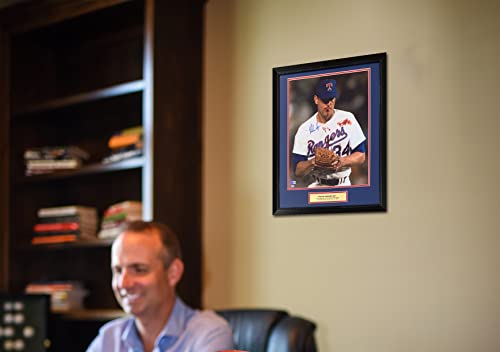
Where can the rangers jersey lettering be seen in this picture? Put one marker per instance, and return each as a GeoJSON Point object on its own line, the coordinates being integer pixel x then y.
{"type": "Point", "coordinates": [342, 134]}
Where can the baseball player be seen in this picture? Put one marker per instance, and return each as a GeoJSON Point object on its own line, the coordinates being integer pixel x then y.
{"type": "Point", "coordinates": [332, 129]}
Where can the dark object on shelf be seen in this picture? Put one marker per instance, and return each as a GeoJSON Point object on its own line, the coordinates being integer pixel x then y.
{"type": "Point", "coordinates": [263, 330]}
{"type": "Point", "coordinates": [64, 295]}
{"type": "Point", "coordinates": [24, 322]}
{"type": "Point", "coordinates": [122, 155]}
{"type": "Point", "coordinates": [56, 153]}
{"type": "Point", "coordinates": [52, 159]}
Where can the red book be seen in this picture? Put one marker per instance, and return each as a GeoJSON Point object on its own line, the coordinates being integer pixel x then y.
{"type": "Point", "coordinates": [57, 226]}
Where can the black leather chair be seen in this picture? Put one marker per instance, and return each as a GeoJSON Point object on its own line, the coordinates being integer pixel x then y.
{"type": "Point", "coordinates": [268, 330]}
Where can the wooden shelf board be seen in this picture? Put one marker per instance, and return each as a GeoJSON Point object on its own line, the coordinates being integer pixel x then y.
{"type": "Point", "coordinates": [92, 314]}
{"type": "Point", "coordinates": [97, 243]}
{"type": "Point", "coordinates": [92, 169]}
{"type": "Point", "coordinates": [98, 94]}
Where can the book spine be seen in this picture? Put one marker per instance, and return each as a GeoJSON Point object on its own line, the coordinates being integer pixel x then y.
{"type": "Point", "coordinates": [115, 217]}
{"type": "Point", "coordinates": [67, 211]}
{"type": "Point", "coordinates": [58, 219]}
{"type": "Point", "coordinates": [129, 207]}
{"type": "Point", "coordinates": [61, 211]}
{"type": "Point", "coordinates": [53, 239]}
{"type": "Point", "coordinates": [52, 164]}
{"type": "Point", "coordinates": [118, 156]}
{"type": "Point", "coordinates": [42, 288]}
{"type": "Point", "coordinates": [123, 140]}
{"type": "Point", "coordinates": [55, 233]}
{"type": "Point", "coordinates": [55, 153]}
{"type": "Point", "coordinates": [62, 226]}
{"type": "Point", "coordinates": [131, 130]}
{"type": "Point", "coordinates": [110, 233]}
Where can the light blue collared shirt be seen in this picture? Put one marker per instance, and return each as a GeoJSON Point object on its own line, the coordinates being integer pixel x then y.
{"type": "Point", "coordinates": [187, 330]}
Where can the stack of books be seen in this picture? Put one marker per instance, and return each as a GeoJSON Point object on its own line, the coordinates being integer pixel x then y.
{"type": "Point", "coordinates": [117, 216]}
{"type": "Point", "coordinates": [65, 224]}
{"type": "Point", "coordinates": [49, 159]}
{"type": "Point", "coordinates": [125, 144]}
{"type": "Point", "coordinates": [64, 295]}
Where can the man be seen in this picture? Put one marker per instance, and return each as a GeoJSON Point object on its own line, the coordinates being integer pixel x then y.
{"type": "Point", "coordinates": [146, 264]}
{"type": "Point", "coordinates": [332, 129]}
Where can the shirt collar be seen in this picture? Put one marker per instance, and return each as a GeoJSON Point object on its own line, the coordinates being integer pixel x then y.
{"type": "Point", "coordinates": [130, 336]}
{"type": "Point", "coordinates": [174, 327]}
{"type": "Point", "coordinates": [178, 319]}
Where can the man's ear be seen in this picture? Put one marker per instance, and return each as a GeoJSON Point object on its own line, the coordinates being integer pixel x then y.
{"type": "Point", "coordinates": [175, 271]}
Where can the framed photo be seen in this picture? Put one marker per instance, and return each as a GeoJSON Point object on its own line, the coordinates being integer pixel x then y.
{"type": "Point", "coordinates": [329, 136]}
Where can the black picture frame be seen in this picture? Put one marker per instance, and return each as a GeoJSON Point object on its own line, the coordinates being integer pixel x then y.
{"type": "Point", "coordinates": [360, 86]}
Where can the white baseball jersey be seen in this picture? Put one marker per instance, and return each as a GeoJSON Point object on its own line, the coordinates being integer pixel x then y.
{"type": "Point", "coordinates": [342, 133]}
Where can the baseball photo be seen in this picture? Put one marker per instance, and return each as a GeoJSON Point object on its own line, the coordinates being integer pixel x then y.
{"type": "Point", "coordinates": [329, 136]}
{"type": "Point", "coordinates": [329, 130]}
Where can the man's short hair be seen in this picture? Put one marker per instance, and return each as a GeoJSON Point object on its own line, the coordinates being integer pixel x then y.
{"type": "Point", "coordinates": [168, 237]}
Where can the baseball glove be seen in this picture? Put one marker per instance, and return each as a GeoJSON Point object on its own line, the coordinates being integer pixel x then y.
{"type": "Point", "coordinates": [325, 162]}
{"type": "Point", "coordinates": [325, 158]}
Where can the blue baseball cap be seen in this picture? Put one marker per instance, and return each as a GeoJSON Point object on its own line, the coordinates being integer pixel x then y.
{"type": "Point", "coordinates": [326, 89]}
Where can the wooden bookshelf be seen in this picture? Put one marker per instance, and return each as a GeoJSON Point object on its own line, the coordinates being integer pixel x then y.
{"type": "Point", "coordinates": [74, 73]}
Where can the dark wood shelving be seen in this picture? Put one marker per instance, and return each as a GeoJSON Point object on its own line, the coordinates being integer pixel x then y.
{"type": "Point", "coordinates": [129, 164]}
{"type": "Point", "coordinates": [75, 75]}
{"type": "Point", "coordinates": [82, 244]}
{"type": "Point", "coordinates": [98, 94]}
{"type": "Point", "coordinates": [92, 314]}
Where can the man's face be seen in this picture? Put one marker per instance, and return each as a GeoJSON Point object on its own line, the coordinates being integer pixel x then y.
{"type": "Point", "coordinates": [325, 109]}
{"type": "Point", "coordinates": [140, 281]}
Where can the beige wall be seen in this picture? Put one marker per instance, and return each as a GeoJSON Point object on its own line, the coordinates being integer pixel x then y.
{"type": "Point", "coordinates": [424, 276]}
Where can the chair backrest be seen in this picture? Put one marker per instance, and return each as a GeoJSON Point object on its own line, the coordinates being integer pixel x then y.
{"type": "Point", "coordinates": [269, 330]}
{"type": "Point", "coordinates": [293, 334]}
